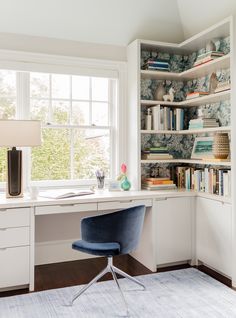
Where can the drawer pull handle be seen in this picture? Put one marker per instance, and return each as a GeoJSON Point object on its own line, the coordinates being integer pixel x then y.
{"type": "Point", "coordinates": [66, 205]}
{"type": "Point", "coordinates": [126, 201]}
{"type": "Point", "coordinates": [161, 199]}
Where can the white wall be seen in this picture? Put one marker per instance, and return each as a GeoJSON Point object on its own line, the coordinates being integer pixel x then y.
{"type": "Point", "coordinates": [46, 45]}
{"type": "Point", "coordinates": [197, 15]}
{"type": "Point", "coordinates": [107, 22]}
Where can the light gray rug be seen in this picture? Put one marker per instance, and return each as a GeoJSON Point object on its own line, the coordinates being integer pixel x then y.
{"type": "Point", "coordinates": [184, 293]}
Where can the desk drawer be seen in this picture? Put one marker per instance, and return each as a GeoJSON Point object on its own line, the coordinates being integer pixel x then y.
{"type": "Point", "coordinates": [65, 208]}
{"type": "Point", "coordinates": [14, 217]}
{"type": "Point", "coordinates": [122, 204]}
{"type": "Point", "coordinates": [10, 237]}
{"type": "Point", "coordinates": [14, 266]}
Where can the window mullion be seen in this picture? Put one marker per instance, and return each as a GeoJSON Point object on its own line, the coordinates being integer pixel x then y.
{"type": "Point", "coordinates": [23, 112]}
{"type": "Point", "coordinates": [90, 101]}
{"type": "Point", "coordinates": [50, 100]}
{"type": "Point", "coordinates": [71, 135]}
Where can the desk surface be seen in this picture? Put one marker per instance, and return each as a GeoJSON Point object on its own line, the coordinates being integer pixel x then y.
{"type": "Point", "coordinates": [103, 196]}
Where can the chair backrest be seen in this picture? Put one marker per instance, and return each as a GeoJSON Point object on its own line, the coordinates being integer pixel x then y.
{"type": "Point", "coordinates": [124, 227]}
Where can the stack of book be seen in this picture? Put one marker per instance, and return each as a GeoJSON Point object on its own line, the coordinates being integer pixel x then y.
{"type": "Point", "coordinates": [156, 153]}
{"type": "Point", "coordinates": [196, 95]}
{"type": "Point", "coordinates": [158, 65]}
{"type": "Point", "coordinates": [208, 180]}
{"type": "Point", "coordinates": [207, 57]}
{"type": "Point", "coordinates": [223, 86]}
{"type": "Point", "coordinates": [166, 118]}
{"type": "Point", "coordinates": [158, 184]}
{"type": "Point", "coordinates": [200, 123]}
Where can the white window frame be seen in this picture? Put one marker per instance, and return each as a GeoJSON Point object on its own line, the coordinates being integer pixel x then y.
{"type": "Point", "coordinates": [33, 62]}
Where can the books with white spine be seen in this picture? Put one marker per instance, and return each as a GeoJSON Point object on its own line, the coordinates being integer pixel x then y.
{"type": "Point", "coordinates": [156, 119]}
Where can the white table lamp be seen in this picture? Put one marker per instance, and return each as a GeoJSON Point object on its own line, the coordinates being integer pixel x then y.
{"type": "Point", "coordinates": [17, 133]}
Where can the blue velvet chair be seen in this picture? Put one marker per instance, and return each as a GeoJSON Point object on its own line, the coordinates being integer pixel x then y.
{"type": "Point", "coordinates": [108, 235]}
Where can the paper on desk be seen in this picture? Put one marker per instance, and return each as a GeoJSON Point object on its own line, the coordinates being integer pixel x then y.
{"type": "Point", "coordinates": [65, 193]}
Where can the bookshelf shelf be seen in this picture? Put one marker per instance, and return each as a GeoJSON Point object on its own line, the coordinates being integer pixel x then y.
{"type": "Point", "coordinates": [191, 161]}
{"type": "Point", "coordinates": [187, 132]}
{"type": "Point", "coordinates": [146, 74]}
{"type": "Point", "coordinates": [207, 68]}
{"type": "Point", "coordinates": [195, 72]}
{"type": "Point", "coordinates": [209, 99]}
{"type": "Point", "coordinates": [212, 98]}
{"type": "Point", "coordinates": [158, 102]}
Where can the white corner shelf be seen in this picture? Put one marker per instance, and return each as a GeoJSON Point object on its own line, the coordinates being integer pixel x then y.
{"type": "Point", "coordinates": [148, 74]}
{"type": "Point", "coordinates": [207, 68]}
{"type": "Point", "coordinates": [158, 102]}
{"type": "Point", "coordinates": [195, 72]}
{"type": "Point", "coordinates": [191, 161]}
{"type": "Point", "coordinates": [208, 99]}
{"type": "Point", "coordinates": [188, 131]}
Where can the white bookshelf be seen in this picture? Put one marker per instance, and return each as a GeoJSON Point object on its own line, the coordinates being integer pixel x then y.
{"type": "Point", "coordinates": [135, 135]}
{"type": "Point", "coordinates": [136, 104]}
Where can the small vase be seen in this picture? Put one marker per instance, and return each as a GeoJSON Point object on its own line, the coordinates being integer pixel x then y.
{"type": "Point", "coordinates": [221, 146]}
{"type": "Point", "coordinates": [159, 93]}
{"type": "Point", "coordinates": [125, 184]}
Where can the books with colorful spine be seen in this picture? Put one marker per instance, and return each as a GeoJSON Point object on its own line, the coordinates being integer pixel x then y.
{"type": "Point", "coordinates": [196, 95]}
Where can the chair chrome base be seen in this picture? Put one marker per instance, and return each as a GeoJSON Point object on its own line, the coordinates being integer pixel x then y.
{"type": "Point", "coordinates": [110, 268]}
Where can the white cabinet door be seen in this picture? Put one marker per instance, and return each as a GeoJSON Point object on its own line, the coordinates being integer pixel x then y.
{"type": "Point", "coordinates": [213, 234]}
{"type": "Point", "coordinates": [14, 266]}
{"type": "Point", "coordinates": [173, 229]}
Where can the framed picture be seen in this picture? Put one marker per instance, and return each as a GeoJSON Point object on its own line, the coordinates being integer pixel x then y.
{"type": "Point", "coordinates": [202, 148]}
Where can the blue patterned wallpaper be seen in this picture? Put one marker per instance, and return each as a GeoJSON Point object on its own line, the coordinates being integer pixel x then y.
{"type": "Point", "coordinates": [180, 146]}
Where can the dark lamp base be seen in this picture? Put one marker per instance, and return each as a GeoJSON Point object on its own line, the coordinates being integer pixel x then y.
{"type": "Point", "coordinates": [14, 173]}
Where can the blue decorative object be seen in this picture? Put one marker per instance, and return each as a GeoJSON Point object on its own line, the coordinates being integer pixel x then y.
{"type": "Point", "coordinates": [125, 184]}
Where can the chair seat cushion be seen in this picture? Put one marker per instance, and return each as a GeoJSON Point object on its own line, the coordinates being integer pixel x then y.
{"type": "Point", "coordinates": [100, 249]}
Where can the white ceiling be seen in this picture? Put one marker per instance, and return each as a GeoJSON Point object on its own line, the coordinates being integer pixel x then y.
{"type": "Point", "coordinates": [203, 13]}
{"type": "Point", "coordinates": [112, 22]}
{"type": "Point", "coordinates": [115, 22]}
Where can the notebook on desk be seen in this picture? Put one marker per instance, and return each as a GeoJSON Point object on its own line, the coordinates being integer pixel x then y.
{"type": "Point", "coordinates": [64, 193]}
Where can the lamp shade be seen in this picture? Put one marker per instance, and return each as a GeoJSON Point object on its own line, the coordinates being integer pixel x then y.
{"type": "Point", "coordinates": [20, 133]}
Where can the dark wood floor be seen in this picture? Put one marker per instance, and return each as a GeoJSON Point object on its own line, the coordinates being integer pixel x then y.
{"type": "Point", "coordinates": [80, 272]}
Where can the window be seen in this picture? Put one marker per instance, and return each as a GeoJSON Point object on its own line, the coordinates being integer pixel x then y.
{"type": "Point", "coordinates": [78, 124]}
{"type": "Point", "coordinates": [75, 112]}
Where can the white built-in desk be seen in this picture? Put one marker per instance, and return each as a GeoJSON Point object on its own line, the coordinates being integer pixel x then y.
{"type": "Point", "coordinates": [169, 232]}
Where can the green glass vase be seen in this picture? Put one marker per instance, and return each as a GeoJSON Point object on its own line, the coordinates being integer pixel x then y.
{"type": "Point", "coordinates": [125, 184]}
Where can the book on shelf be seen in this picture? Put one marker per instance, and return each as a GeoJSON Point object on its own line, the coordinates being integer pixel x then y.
{"type": "Point", "coordinates": [207, 57]}
{"type": "Point", "coordinates": [156, 153]}
{"type": "Point", "coordinates": [223, 86]}
{"type": "Point", "coordinates": [157, 156]}
{"type": "Point", "coordinates": [65, 193]}
{"type": "Point", "coordinates": [196, 95]}
{"type": "Point", "coordinates": [207, 180]}
{"type": "Point", "coordinates": [158, 183]}
{"type": "Point", "coordinates": [159, 187]}
{"type": "Point", "coordinates": [200, 123]}
{"type": "Point", "coordinates": [166, 118]}
{"type": "Point", "coordinates": [160, 65]}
